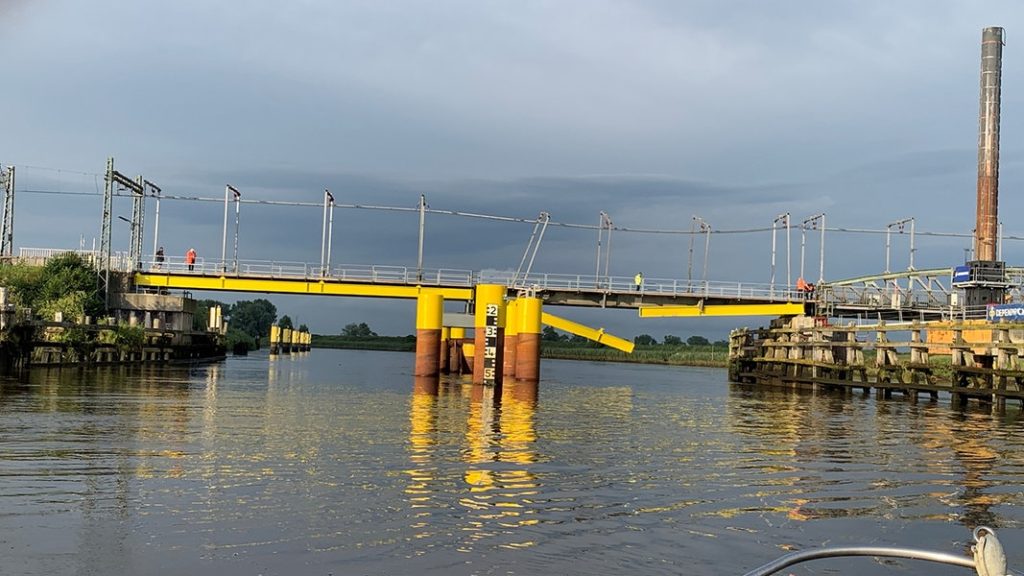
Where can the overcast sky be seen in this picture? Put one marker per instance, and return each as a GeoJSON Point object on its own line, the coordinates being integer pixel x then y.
{"type": "Point", "coordinates": [651, 111]}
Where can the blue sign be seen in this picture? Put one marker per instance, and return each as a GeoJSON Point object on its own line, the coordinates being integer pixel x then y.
{"type": "Point", "coordinates": [1006, 312]}
{"type": "Point", "coordinates": [961, 274]}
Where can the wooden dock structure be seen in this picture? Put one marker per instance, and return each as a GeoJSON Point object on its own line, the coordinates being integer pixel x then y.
{"type": "Point", "coordinates": [966, 360]}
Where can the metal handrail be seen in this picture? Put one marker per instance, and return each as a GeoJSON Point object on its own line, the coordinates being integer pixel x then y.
{"type": "Point", "coordinates": [989, 559]}
{"type": "Point", "coordinates": [868, 296]}
{"type": "Point", "coordinates": [884, 552]}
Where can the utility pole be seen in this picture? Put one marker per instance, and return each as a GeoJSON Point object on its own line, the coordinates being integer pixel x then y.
{"type": "Point", "coordinates": [7, 228]}
{"type": "Point", "coordinates": [113, 181]}
{"type": "Point", "coordinates": [604, 223]}
{"type": "Point", "coordinates": [228, 190]}
{"type": "Point", "coordinates": [423, 222]}
{"type": "Point", "coordinates": [698, 225]}
{"type": "Point", "coordinates": [156, 217]}
{"type": "Point", "coordinates": [138, 215]}
{"type": "Point", "coordinates": [813, 223]}
{"type": "Point", "coordinates": [900, 225]}
{"type": "Point", "coordinates": [238, 204]}
{"type": "Point", "coordinates": [325, 240]}
{"type": "Point", "coordinates": [789, 276]}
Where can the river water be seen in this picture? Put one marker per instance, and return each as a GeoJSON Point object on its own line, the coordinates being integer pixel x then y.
{"type": "Point", "coordinates": [336, 462]}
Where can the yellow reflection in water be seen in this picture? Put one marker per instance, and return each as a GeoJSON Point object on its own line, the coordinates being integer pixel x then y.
{"type": "Point", "coordinates": [500, 429]}
{"type": "Point", "coordinates": [498, 448]}
{"type": "Point", "coordinates": [422, 446]}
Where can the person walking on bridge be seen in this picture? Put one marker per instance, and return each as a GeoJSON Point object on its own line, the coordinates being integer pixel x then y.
{"type": "Point", "coordinates": [190, 259]}
{"type": "Point", "coordinates": [639, 280]}
{"type": "Point", "coordinates": [159, 258]}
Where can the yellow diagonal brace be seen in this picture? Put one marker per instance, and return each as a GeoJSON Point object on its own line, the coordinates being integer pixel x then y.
{"type": "Point", "coordinates": [787, 309]}
{"type": "Point", "coordinates": [595, 334]}
{"type": "Point", "coordinates": [295, 286]}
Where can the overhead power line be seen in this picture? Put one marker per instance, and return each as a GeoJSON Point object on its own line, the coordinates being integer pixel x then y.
{"type": "Point", "coordinates": [492, 217]}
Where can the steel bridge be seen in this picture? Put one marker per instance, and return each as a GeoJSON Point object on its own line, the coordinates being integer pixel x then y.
{"type": "Point", "coordinates": [907, 295]}
{"type": "Point", "coordinates": [911, 294]}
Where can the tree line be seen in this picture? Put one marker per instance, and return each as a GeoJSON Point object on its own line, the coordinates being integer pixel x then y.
{"type": "Point", "coordinates": [248, 320]}
{"type": "Point", "coordinates": [551, 335]}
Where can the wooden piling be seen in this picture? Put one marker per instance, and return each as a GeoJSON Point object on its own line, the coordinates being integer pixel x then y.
{"type": "Point", "coordinates": [797, 354]}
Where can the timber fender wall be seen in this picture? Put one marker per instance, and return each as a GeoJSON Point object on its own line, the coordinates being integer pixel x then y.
{"type": "Point", "coordinates": [966, 360]}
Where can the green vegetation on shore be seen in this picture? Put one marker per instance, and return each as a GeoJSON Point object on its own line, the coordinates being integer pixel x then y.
{"type": "Point", "coordinates": [66, 284]}
{"type": "Point", "coordinates": [710, 355]}
{"type": "Point", "coordinates": [248, 321]}
{"type": "Point", "coordinates": [696, 351]}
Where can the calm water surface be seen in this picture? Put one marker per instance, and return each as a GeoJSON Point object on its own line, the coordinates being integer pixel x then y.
{"type": "Point", "coordinates": [335, 462]}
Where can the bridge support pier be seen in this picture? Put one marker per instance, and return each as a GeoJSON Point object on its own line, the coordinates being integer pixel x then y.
{"type": "Point", "coordinates": [275, 339]}
{"type": "Point", "coordinates": [429, 317]}
{"type": "Point", "coordinates": [528, 339]}
{"type": "Point", "coordinates": [489, 334]}
{"type": "Point", "coordinates": [456, 359]}
{"type": "Point", "coordinates": [511, 338]}
{"type": "Point", "coordinates": [286, 341]}
{"type": "Point", "coordinates": [442, 359]}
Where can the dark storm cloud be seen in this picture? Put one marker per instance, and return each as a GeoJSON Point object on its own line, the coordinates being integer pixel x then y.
{"type": "Point", "coordinates": [653, 112]}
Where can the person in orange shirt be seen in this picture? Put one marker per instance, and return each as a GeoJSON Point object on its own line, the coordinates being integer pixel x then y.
{"type": "Point", "coordinates": [190, 259]}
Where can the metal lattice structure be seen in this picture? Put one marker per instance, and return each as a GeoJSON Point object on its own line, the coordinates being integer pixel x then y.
{"type": "Point", "coordinates": [103, 266]}
{"type": "Point", "coordinates": [138, 217]}
{"type": "Point", "coordinates": [114, 181]}
{"type": "Point", "coordinates": [7, 227]}
{"type": "Point", "coordinates": [909, 294]}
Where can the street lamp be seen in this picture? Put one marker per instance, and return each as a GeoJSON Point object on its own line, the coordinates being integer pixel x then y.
{"type": "Point", "coordinates": [228, 190]}
{"type": "Point", "coordinates": [812, 223]}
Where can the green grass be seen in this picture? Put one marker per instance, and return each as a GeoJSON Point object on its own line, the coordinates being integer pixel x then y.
{"type": "Point", "coordinates": [388, 343]}
{"type": "Point", "coordinates": [659, 354]}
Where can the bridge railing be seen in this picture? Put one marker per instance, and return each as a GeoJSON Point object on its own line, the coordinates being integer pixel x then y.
{"type": "Point", "coordinates": [652, 286]}
{"type": "Point", "coordinates": [39, 256]}
{"type": "Point", "coordinates": [312, 271]}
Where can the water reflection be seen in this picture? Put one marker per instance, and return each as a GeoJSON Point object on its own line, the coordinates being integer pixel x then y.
{"type": "Point", "coordinates": [860, 457]}
{"type": "Point", "coordinates": [336, 462]}
{"type": "Point", "coordinates": [499, 449]}
{"type": "Point", "coordinates": [497, 485]}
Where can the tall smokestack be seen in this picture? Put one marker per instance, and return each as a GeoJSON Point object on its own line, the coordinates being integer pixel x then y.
{"type": "Point", "coordinates": [986, 228]}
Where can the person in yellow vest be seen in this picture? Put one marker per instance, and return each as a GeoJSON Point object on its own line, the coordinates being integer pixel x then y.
{"type": "Point", "coordinates": [638, 280]}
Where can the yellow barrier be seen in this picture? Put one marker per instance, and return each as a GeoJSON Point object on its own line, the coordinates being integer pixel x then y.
{"type": "Point", "coordinates": [787, 309]}
{"type": "Point", "coordinates": [595, 334]}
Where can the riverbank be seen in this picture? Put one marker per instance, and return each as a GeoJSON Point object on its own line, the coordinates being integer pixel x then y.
{"type": "Point", "coordinates": [712, 356]}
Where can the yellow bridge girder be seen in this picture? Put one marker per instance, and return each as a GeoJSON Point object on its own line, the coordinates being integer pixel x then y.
{"type": "Point", "coordinates": [295, 286]}
{"type": "Point", "coordinates": [595, 334]}
{"type": "Point", "coordinates": [692, 310]}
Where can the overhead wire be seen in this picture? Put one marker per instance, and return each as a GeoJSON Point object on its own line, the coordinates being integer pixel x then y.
{"type": "Point", "coordinates": [493, 217]}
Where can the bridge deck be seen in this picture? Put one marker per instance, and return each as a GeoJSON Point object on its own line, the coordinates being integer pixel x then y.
{"type": "Point", "coordinates": [401, 282]}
